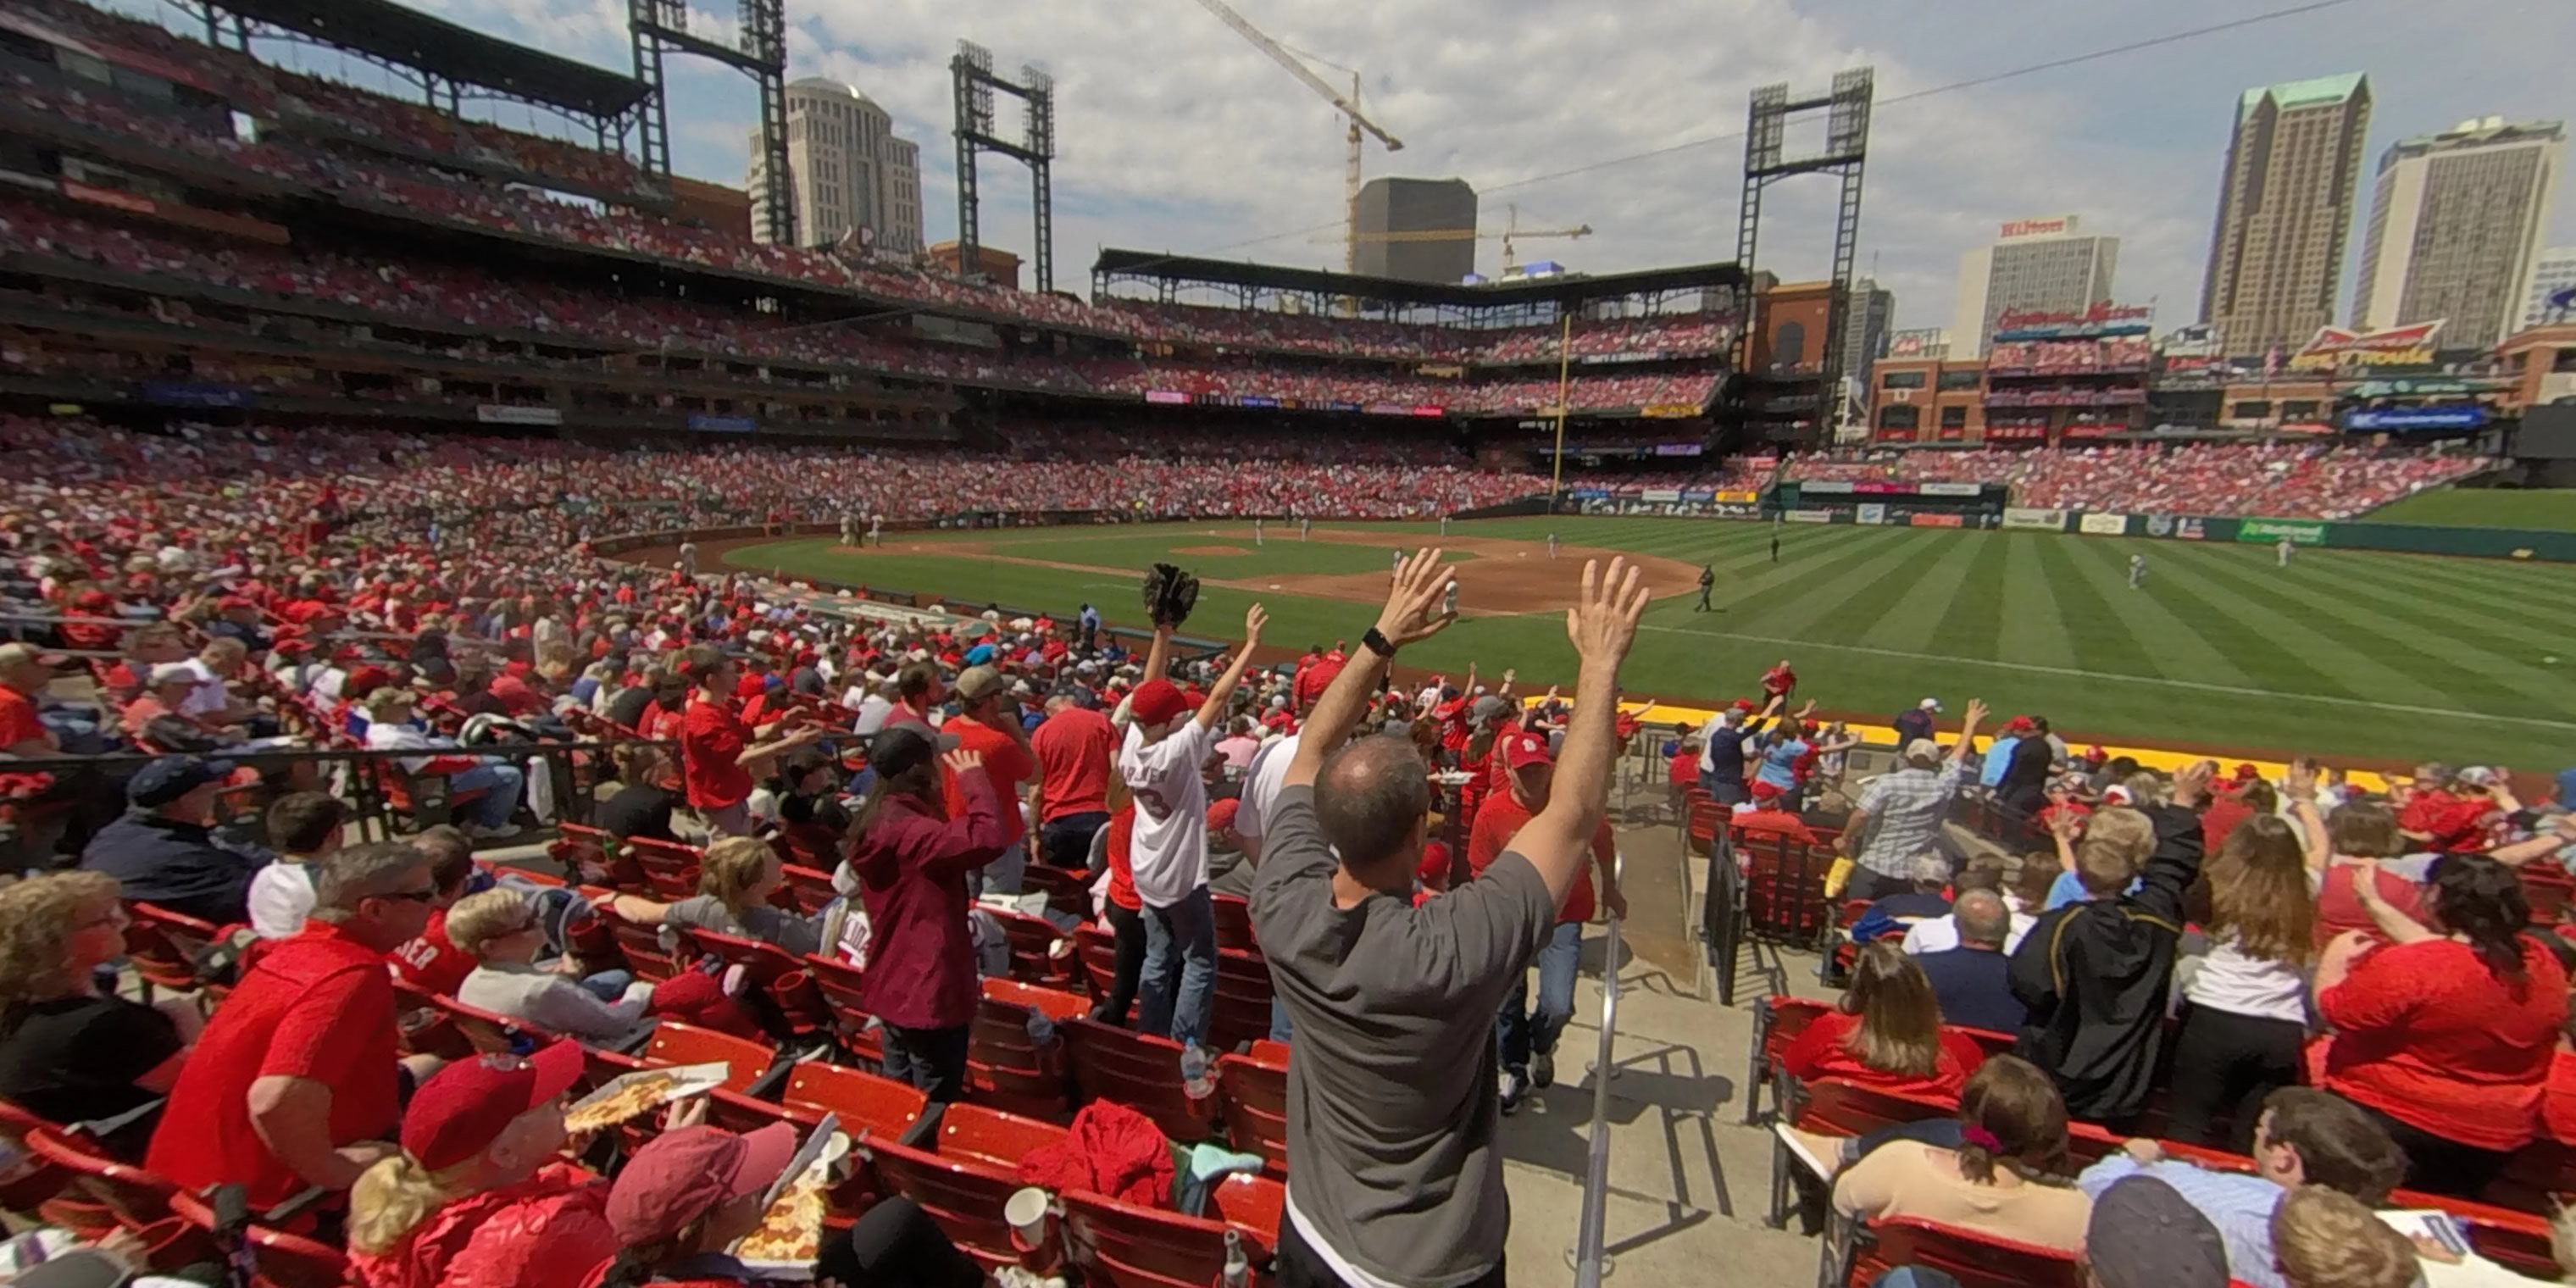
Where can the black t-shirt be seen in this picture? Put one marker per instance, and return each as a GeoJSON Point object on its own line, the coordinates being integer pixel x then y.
{"type": "Point", "coordinates": [627, 708]}
{"type": "Point", "coordinates": [639, 809]}
{"type": "Point", "coordinates": [75, 1059]}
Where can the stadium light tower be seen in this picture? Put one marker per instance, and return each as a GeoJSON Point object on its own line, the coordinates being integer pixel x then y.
{"type": "Point", "coordinates": [971, 74]}
{"type": "Point", "coordinates": [661, 27]}
{"type": "Point", "coordinates": [1765, 162]}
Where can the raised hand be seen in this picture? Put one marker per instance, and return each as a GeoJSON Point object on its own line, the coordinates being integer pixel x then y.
{"type": "Point", "coordinates": [1253, 621]}
{"type": "Point", "coordinates": [1413, 612]}
{"type": "Point", "coordinates": [1603, 621]}
{"type": "Point", "coordinates": [962, 760]}
{"type": "Point", "coordinates": [2191, 786]}
{"type": "Point", "coordinates": [1978, 711]}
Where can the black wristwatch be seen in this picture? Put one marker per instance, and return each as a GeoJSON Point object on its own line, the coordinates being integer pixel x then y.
{"type": "Point", "coordinates": [1377, 643]}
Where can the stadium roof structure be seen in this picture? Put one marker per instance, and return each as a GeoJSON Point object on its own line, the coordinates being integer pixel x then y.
{"type": "Point", "coordinates": [414, 39]}
{"type": "Point", "coordinates": [1250, 280]}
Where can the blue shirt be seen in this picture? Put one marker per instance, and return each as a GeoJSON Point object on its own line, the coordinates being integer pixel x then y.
{"type": "Point", "coordinates": [2069, 888]}
{"type": "Point", "coordinates": [2239, 1204]}
{"type": "Point", "coordinates": [1973, 991]}
{"type": "Point", "coordinates": [979, 655]}
{"type": "Point", "coordinates": [1779, 761]}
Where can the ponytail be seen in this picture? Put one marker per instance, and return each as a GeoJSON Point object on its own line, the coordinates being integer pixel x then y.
{"type": "Point", "coordinates": [392, 1198]}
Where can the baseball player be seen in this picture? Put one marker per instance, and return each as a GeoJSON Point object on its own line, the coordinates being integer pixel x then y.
{"type": "Point", "coordinates": [1256, 532]}
{"type": "Point", "coordinates": [2281, 552]}
{"type": "Point", "coordinates": [1551, 545]}
{"type": "Point", "coordinates": [2137, 571]}
{"type": "Point", "coordinates": [876, 529]}
{"type": "Point", "coordinates": [1444, 525]}
{"type": "Point", "coordinates": [1707, 582]}
{"type": "Point", "coordinates": [1306, 530]}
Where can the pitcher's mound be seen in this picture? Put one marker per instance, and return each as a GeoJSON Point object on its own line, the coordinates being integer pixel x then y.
{"type": "Point", "coordinates": [1210, 552]}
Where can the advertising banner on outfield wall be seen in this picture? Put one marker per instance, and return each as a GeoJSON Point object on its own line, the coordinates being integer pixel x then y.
{"type": "Point", "coordinates": [1824, 487]}
{"type": "Point", "coordinates": [706, 424]}
{"type": "Point", "coordinates": [1739, 498]}
{"type": "Point", "coordinates": [2025, 519]}
{"type": "Point", "coordinates": [1809, 516]}
{"type": "Point", "coordinates": [2185, 527]}
{"type": "Point", "coordinates": [1666, 495]}
{"type": "Point", "coordinates": [1936, 520]}
{"type": "Point", "coordinates": [1604, 504]}
{"type": "Point", "coordinates": [506, 414]}
{"type": "Point", "coordinates": [2264, 532]}
{"type": "Point", "coordinates": [1950, 489]}
{"type": "Point", "coordinates": [2104, 525]}
{"type": "Point", "coordinates": [1872, 514]}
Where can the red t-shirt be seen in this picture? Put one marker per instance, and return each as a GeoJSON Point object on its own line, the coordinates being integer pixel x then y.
{"type": "Point", "coordinates": [433, 961]}
{"type": "Point", "coordinates": [18, 723]}
{"type": "Point", "coordinates": [1073, 749]}
{"type": "Point", "coordinates": [1780, 821]}
{"type": "Point", "coordinates": [1820, 1051]}
{"type": "Point", "coordinates": [2339, 909]}
{"type": "Point", "coordinates": [317, 1006]}
{"type": "Point", "coordinates": [2456, 824]}
{"type": "Point", "coordinates": [1500, 818]}
{"type": "Point", "coordinates": [1122, 876]}
{"type": "Point", "coordinates": [1004, 760]}
{"type": "Point", "coordinates": [711, 742]}
{"type": "Point", "coordinates": [2221, 818]}
{"type": "Point", "coordinates": [2427, 1035]}
{"type": "Point", "coordinates": [2558, 1100]}
{"type": "Point", "coordinates": [659, 723]}
{"type": "Point", "coordinates": [1684, 771]}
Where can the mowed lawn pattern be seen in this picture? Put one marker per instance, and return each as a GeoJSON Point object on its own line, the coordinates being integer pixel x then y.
{"type": "Point", "coordinates": [2540, 509]}
{"type": "Point", "coordinates": [2344, 653]}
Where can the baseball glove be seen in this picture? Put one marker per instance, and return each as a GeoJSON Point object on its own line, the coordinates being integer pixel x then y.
{"type": "Point", "coordinates": [1170, 594]}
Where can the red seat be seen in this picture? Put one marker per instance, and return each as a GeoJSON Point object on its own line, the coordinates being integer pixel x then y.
{"type": "Point", "coordinates": [278, 1259]}
{"type": "Point", "coordinates": [1240, 1012]}
{"type": "Point", "coordinates": [864, 1101]}
{"type": "Point", "coordinates": [38, 1182]}
{"type": "Point", "coordinates": [1775, 1021]}
{"type": "Point", "coordinates": [1096, 949]}
{"type": "Point", "coordinates": [1066, 892]}
{"type": "Point", "coordinates": [1705, 818]}
{"type": "Point", "coordinates": [670, 869]}
{"type": "Point", "coordinates": [2547, 892]}
{"type": "Point", "coordinates": [163, 946]}
{"type": "Point", "coordinates": [640, 946]}
{"type": "Point", "coordinates": [1234, 922]}
{"type": "Point", "coordinates": [1139, 1071]}
{"type": "Point", "coordinates": [968, 1173]}
{"type": "Point", "coordinates": [2533, 1176]}
{"type": "Point", "coordinates": [677, 1043]}
{"type": "Point", "coordinates": [1034, 957]}
{"type": "Point", "coordinates": [1126, 1246]}
{"type": "Point", "coordinates": [1784, 889]}
{"type": "Point", "coordinates": [1988, 1041]}
{"type": "Point", "coordinates": [774, 973]}
{"type": "Point", "coordinates": [1005, 1067]}
{"type": "Point", "coordinates": [809, 890]}
{"type": "Point", "coordinates": [1252, 1203]}
{"type": "Point", "coordinates": [127, 1196]}
{"type": "Point", "coordinates": [1975, 1260]}
{"type": "Point", "coordinates": [1834, 1107]}
{"type": "Point", "coordinates": [486, 1032]}
{"type": "Point", "coordinates": [1256, 1107]}
{"type": "Point", "coordinates": [839, 982]}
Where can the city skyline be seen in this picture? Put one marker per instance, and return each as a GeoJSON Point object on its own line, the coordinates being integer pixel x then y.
{"type": "Point", "coordinates": [1179, 136]}
{"type": "Point", "coordinates": [2456, 226]}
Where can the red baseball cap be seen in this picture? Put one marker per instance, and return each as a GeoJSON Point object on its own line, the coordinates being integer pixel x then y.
{"type": "Point", "coordinates": [467, 1105]}
{"type": "Point", "coordinates": [1156, 701]}
{"type": "Point", "coordinates": [1220, 815]}
{"type": "Point", "coordinates": [2020, 722]}
{"type": "Point", "coordinates": [682, 1175]}
{"type": "Point", "coordinates": [1526, 749]}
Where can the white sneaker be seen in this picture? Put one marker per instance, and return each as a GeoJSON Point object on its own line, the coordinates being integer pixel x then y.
{"type": "Point", "coordinates": [1514, 1091]}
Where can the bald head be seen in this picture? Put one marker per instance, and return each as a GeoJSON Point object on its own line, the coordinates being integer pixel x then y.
{"type": "Point", "coordinates": [1370, 800]}
{"type": "Point", "coordinates": [1984, 921]}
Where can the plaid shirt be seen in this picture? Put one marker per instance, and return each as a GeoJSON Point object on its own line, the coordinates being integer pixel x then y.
{"type": "Point", "coordinates": [1905, 810]}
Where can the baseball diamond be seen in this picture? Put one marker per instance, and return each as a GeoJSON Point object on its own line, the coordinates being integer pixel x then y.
{"type": "Point", "coordinates": [2219, 646]}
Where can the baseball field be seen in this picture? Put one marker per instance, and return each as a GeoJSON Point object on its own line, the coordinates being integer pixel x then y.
{"type": "Point", "coordinates": [2354, 655]}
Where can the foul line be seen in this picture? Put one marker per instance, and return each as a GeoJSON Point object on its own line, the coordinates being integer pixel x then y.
{"type": "Point", "coordinates": [2159, 681]}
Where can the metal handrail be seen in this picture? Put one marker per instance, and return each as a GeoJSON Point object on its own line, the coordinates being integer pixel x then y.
{"type": "Point", "coordinates": [1590, 1261]}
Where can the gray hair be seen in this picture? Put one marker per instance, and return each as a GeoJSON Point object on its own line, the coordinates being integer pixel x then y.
{"type": "Point", "coordinates": [1983, 918]}
{"type": "Point", "coordinates": [360, 872]}
{"type": "Point", "coordinates": [1929, 868]}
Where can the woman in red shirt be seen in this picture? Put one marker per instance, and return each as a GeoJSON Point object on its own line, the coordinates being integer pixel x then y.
{"type": "Point", "coordinates": [477, 1198]}
{"type": "Point", "coordinates": [1887, 1033]}
{"type": "Point", "coordinates": [912, 862]}
{"type": "Point", "coordinates": [2447, 1036]}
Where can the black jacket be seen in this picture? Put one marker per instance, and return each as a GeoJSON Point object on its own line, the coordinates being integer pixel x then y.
{"type": "Point", "coordinates": [2095, 975]}
{"type": "Point", "coordinates": [178, 866]}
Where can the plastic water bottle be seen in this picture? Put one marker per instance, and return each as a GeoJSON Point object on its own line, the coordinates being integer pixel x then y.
{"type": "Point", "coordinates": [1238, 1267]}
{"type": "Point", "coordinates": [1041, 1029]}
{"type": "Point", "coordinates": [1194, 1073]}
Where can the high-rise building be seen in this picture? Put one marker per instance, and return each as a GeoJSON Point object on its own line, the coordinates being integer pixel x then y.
{"type": "Point", "coordinates": [2045, 265]}
{"type": "Point", "coordinates": [1417, 206]}
{"type": "Point", "coordinates": [848, 169]}
{"type": "Point", "coordinates": [2554, 271]}
{"type": "Point", "coordinates": [2284, 208]}
{"type": "Point", "coordinates": [2456, 223]}
{"type": "Point", "coordinates": [1871, 311]}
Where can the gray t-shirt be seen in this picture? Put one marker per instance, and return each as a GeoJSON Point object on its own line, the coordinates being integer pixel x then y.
{"type": "Point", "coordinates": [769, 925]}
{"type": "Point", "coordinates": [1392, 1105]}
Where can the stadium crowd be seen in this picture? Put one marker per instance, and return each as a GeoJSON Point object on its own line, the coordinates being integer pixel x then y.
{"type": "Point", "coordinates": [2287, 479]}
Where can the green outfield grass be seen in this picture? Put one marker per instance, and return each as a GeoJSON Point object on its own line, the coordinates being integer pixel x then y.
{"type": "Point", "coordinates": [2539, 509]}
{"type": "Point", "coordinates": [2344, 653]}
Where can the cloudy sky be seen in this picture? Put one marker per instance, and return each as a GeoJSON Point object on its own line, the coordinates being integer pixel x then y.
{"type": "Point", "coordinates": [1178, 135]}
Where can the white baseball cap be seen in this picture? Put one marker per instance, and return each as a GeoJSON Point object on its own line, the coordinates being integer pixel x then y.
{"type": "Point", "coordinates": [1931, 704]}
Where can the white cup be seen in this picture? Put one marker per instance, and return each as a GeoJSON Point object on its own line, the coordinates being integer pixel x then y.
{"type": "Point", "coordinates": [1027, 1211]}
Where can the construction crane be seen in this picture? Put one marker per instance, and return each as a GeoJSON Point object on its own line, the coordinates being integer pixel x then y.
{"type": "Point", "coordinates": [1348, 107]}
{"type": "Point", "coordinates": [1512, 232]}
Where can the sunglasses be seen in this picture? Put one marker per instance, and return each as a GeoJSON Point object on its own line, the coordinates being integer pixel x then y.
{"type": "Point", "coordinates": [415, 896]}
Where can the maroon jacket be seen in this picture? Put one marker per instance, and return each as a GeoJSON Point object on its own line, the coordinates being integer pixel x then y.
{"type": "Point", "coordinates": [912, 868]}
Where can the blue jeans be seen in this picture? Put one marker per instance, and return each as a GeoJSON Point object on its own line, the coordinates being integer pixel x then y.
{"type": "Point", "coordinates": [491, 813]}
{"type": "Point", "coordinates": [608, 985]}
{"type": "Point", "coordinates": [1520, 1033]}
{"type": "Point", "coordinates": [1179, 984]}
